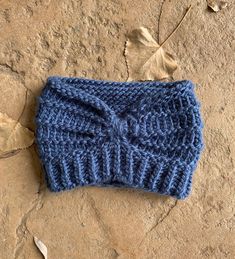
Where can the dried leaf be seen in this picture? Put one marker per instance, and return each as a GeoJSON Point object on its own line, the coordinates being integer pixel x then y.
{"type": "Point", "coordinates": [13, 136]}
{"type": "Point", "coordinates": [41, 247]}
{"type": "Point", "coordinates": [146, 59]}
{"type": "Point", "coordinates": [216, 5]}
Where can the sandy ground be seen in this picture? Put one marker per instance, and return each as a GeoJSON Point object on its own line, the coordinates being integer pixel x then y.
{"type": "Point", "coordinates": [86, 38]}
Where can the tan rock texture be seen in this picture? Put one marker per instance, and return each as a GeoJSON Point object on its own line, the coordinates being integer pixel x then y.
{"type": "Point", "coordinates": [40, 38]}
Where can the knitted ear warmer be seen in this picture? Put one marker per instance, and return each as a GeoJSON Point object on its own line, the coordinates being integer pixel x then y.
{"type": "Point", "coordinates": [145, 135]}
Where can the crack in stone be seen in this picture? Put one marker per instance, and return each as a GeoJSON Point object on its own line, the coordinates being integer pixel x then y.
{"type": "Point", "coordinates": [7, 67]}
{"type": "Point", "coordinates": [163, 217]}
{"type": "Point", "coordinates": [104, 227]}
{"type": "Point", "coordinates": [15, 74]}
{"type": "Point", "coordinates": [22, 231]}
{"type": "Point", "coordinates": [97, 214]}
{"type": "Point", "coordinates": [159, 221]}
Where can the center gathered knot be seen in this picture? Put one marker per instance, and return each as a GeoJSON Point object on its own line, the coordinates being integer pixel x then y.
{"type": "Point", "coordinates": [119, 127]}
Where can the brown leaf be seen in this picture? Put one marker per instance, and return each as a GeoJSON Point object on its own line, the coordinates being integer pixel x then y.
{"type": "Point", "coordinates": [41, 247]}
{"type": "Point", "coordinates": [216, 5]}
{"type": "Point", "coordinates": [13, 136]}
{"type": "Point", "coordinates": [146, 59]}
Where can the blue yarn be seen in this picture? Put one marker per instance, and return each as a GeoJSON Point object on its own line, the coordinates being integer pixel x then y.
{"type": "Point", "coordinates": [144, 135]}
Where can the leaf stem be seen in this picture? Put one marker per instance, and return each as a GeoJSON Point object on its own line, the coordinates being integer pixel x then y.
{"type": "Point", "coordinates": [176, 28]}
{"type": "Point", "coordinates": [159, 20]}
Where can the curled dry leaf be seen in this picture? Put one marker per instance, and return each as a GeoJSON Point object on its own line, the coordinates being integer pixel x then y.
{"type": "Point", "coordinates": [216, 5]}
{"type": "Point", "coordinates": [41, 247]}
{"type": "Point", "coordinates": [146, 59]}
{"type": "Point", "coordinates": [13, 136]}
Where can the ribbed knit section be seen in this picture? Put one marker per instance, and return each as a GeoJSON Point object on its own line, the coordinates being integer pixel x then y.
{"type": "Point", "coordinates": [144, 135]}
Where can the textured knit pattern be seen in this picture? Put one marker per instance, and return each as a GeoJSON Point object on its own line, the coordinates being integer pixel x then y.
{"type": "Point", "coordinates": [144, 135]}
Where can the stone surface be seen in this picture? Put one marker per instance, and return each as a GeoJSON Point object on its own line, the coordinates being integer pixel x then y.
{"type": "Point", "coordinates": [86, 38]}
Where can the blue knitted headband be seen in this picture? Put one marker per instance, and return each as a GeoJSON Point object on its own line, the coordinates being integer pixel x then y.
{"type": "Point", "coordinates": [145, 135]}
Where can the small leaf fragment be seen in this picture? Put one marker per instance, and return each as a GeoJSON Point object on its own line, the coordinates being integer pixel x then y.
{"type": "Point", "coordinates": [13, 136]}
{"type": "Point", "coordinates": [146, 59]}
{"type": "Point", "coordinates": [216, 5]}
{"type": "Point", "coordinates": [41, 247]}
